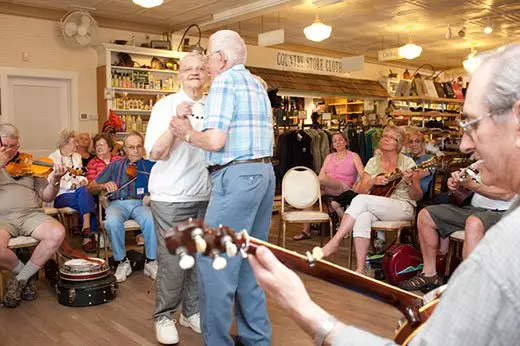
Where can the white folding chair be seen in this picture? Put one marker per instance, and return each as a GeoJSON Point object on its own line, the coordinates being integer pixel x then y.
{"type": "Point", "coordinates": [301, 189]}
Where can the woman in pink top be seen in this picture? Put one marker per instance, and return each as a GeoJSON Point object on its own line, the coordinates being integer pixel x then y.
{"type": "Point", "coordinates": [338, 173]}
{"type": "Point", "coordinates": [341, 168]}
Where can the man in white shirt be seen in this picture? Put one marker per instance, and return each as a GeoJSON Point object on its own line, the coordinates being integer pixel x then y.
{"type": "Point", "coordinates": [179, 189]}
{"type": "Point", "coordinates": [439, 221]}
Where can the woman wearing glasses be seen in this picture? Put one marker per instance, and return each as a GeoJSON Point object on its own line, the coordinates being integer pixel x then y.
{"type": "Point", "coordinates": [366, 208]}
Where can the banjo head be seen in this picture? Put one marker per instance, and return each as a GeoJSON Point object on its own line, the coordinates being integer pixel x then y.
{"type": "Point", "coordinates": [82, 270]}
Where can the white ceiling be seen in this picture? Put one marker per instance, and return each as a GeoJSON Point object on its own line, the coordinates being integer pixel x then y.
{"type": "Point", "coordinates": [359, 26]}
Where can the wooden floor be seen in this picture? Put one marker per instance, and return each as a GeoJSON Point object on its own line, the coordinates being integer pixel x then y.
{"type": "Point", "coordinates": [128, 319]}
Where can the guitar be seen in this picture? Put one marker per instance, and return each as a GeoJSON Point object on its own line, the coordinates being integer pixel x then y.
{"type": "Point", "coordinates": [394, 178]}
{"type": "Point", "coordinates": [193, 236]}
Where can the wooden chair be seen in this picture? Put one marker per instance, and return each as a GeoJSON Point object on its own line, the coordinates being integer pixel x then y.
{"type": "Point", "coordinates": [130, 225]}
{"type": "Point", "coordinates": [456, 242]}
{"type": "Point", "coordinates": [17, 243]}
{"type": "Point", "coordinates": [301, 190]}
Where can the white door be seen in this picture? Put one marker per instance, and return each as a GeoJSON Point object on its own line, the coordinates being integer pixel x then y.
{"type": "Point", "coordinates": [40, 109]}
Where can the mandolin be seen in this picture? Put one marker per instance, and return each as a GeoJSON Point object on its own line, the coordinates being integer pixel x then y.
{"type": "Point", "coordinates": [394, 178]}
{"type": "Point", "coordinates": [193, 236]}
{"type": "Point", "coordinates": [461, 195]}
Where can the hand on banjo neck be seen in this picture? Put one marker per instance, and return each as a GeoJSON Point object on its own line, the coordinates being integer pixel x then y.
{"type": "Point", "coordinates": [194, 237]}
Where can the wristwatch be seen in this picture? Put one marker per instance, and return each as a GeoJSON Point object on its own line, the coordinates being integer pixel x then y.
{"type": "Point", "coordinates": [324, 330]}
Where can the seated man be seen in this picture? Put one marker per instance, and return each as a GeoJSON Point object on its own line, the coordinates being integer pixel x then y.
{"type": "Point", "coordinates": [486, 208]}
{"type": "Point", "coordinates": [126, 202]}
{"type": "Point", "coordinates": [417, 152]}
{"type": "Point", "coordinates": [20, 215]}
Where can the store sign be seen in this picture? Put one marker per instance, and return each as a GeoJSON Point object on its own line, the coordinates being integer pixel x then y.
{"type": "Point", "coordinates": [453, 73]}
{"type": "Point", "coordinates": [388, 54]}
{"type": "Point", "coordinates": [292, 61]}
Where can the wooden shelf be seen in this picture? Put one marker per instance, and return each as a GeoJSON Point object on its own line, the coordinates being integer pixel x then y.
{"type": "Point", "coordinates": [143, 91]}
{"type": "Point", "coordinates": [432, 114]}
{"type": "Point", "coordinates": [132, 111]}
{"type": "Point", "coordinates": [427, 99]}
{"type": "Point", "coordinates": [123, 68]}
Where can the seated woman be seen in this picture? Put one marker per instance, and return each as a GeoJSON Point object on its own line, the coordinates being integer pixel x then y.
{"type": "Point", "coordinates": [338, 173]}
{"type": "Point", "coordinates": [103, 145]}
{"type": "Point", "coordinates": [366, 209]}
{"type": "Point", "coordinates": [72, 192]}
{"type": "Point", "coordinates": [83, 148]}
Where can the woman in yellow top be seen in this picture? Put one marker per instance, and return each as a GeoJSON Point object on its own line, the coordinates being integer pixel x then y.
{"type": "Point", "coordinates": [365, 209]}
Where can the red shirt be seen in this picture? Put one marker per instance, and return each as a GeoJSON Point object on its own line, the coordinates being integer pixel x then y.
{"type": "Point", "coordinates": [97, 165]}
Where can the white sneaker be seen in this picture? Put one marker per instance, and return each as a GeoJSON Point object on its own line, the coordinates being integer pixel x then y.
{"type": "Point", "coordinates": [165, 331]}
{"type": "Point", "coordinates": [150, 269]}
{"type": "Point", "coordinates": [124, 269]}
{"type": "Point", "coordinates": [192, 322]}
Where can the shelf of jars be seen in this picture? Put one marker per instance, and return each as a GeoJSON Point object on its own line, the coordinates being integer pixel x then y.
{"type": "Point", "coordinates": [131, 72]}
{"type": "Point", "coordinates": [139, 69]}
{"type": "Point", "coordinates": [132, 111]}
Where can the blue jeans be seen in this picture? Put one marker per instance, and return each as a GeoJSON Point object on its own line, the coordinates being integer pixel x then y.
{"type": "Point", "coordinates": [241, 198]}
{"type": "Point", "coordinates": [117, 213]}
{"type": "Point", "coordinates": [83, 202]}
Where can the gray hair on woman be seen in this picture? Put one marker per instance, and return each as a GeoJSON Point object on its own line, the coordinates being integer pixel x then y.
{"type": "Point", "coordinates": [64, 136]}
{"type": "Point", "coordinates": [8, 130]}
{"type": "Point", "coordinates": [399, 132]}
{"type": "Point", "coordinates": [231, 45]}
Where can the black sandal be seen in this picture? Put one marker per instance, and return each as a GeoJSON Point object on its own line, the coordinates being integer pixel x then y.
{"type": "Point", "coordinates": [302, 236]}
{"type": "Point", "coordinates": [420, 282]}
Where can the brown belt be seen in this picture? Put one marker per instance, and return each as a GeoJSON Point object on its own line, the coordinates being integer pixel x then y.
{"type": "Point", "coordinates": [215, 168]}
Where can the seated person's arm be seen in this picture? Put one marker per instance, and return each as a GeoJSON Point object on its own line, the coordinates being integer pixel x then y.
{"type": "Point", "coordinates": [322, 174]}
{"type": "Point", "coordinates": [489, 191]}
{"type": "Point", "coordinates": [49, 187]}
{"type": "Point", "coordinates": [365, 183]}
{"type": "Point", "coordinates": [413, 180]}
{"type": "Point", "coordinates": [103, 182]}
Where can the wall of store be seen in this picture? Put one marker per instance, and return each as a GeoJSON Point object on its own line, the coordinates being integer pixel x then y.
{"type": "Point", "coordinates": [42, 40]}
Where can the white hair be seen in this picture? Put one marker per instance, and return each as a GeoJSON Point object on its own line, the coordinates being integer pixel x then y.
{"type": "Point", "coordinates": [192, 55]}
{"type": "Point", "coordinates": [503, 88]}
{"type": "Point", "coordinates": [8, 130]}
{"type": "Point", "coordinates": [231, 45]}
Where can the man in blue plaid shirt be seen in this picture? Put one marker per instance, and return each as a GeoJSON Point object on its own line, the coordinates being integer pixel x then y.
{"type": "Point", "coordinates": [238, 138]}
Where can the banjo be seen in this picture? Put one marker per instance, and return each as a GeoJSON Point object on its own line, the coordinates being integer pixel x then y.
{"type": "Point", "coordinates": [193, 236]}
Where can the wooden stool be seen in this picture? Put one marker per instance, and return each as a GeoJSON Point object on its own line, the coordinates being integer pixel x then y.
{"type": "Point", "coordinates": [17, 243]}
{"type": "Point", "coordinates": [456, 241]}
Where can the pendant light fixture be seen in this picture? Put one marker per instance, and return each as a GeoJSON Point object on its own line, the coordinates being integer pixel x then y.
{"type": "Point", "coordinates": [410, 50]}
{"type": "Point", "coordinates": [148, 3]}
{"type": "Point", "coordinates": [317, 31]}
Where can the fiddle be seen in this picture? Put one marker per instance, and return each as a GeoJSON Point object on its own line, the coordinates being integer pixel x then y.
{"type": "Point", "coordinates": [131, 172]}
{"type": "Point", "coordinates": [25, 164]}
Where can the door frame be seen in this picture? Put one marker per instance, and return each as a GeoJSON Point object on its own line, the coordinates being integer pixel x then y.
{"type": "Point", "coordinates": [71, 77]}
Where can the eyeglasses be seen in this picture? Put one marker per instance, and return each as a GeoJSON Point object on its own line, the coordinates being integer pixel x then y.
{"type": "Point", "coordinates": [415, 141]}
{"type": "Point", "coordinates": [389, 137]}
{"type": "Point", "coordinates": [11, 146]}
{"type": "Point", "coordinates": [193, 69]}
{"type": "Point", "coordinates": [470, 127]}
{"type": "Point", "coordinates": [137, 147]}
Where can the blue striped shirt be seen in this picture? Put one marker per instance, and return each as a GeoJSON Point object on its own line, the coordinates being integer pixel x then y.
{"type": "Point", "coordinates": [238, 104]}
{"type": "Point", "coordinates": [116, 172]}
